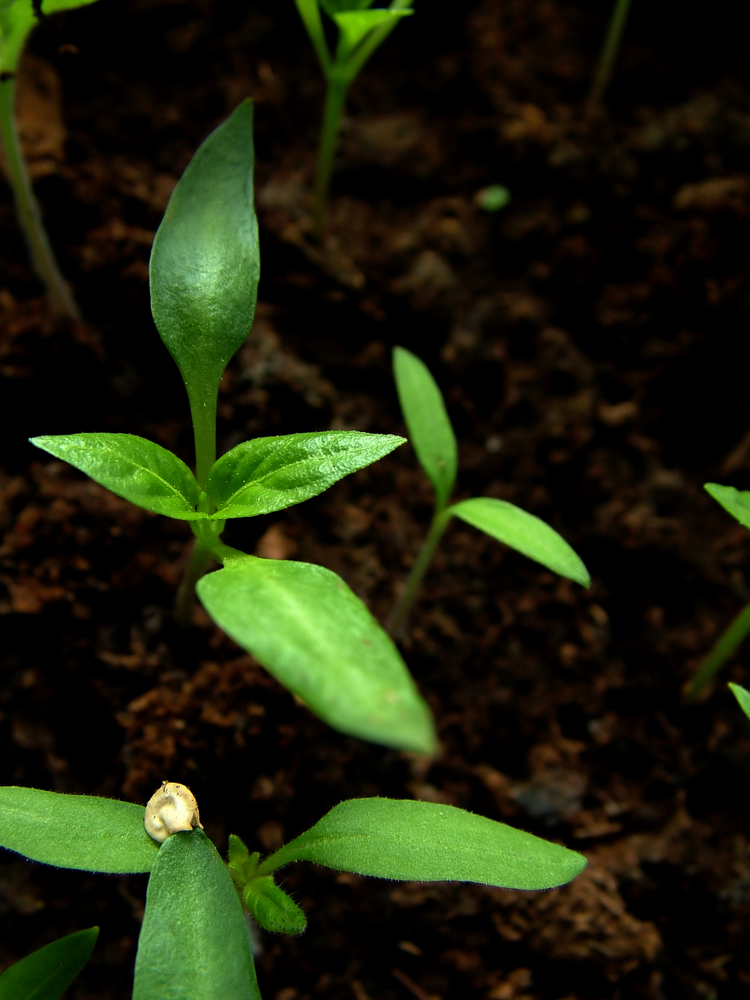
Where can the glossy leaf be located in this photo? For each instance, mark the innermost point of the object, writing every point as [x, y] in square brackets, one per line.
[743, 697]
[319, 640]
[205, 261]
[194, 943]
[272, 908]
[736, 502]
[427, 842]
[17, 20]
[430, 429]
[523, 532]
[132, 467]
[75, 831]
[48, 972]
[272, 473]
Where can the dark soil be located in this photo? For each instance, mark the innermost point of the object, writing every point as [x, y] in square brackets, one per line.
[592, 344]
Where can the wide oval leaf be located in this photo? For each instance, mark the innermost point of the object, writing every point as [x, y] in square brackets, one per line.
[75, 831]
[272, 473]
[132, 467]
[319, 640]
[194, 943]
[428, 842]
[205, 261]
[523, 532]
[430, 430]
[48, 972]
[272, 908]
[736, 502]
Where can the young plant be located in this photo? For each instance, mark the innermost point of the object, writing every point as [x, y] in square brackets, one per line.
[300, 621]
[361, 29]
[17, 19]
[194, 942]
[432, 436]
[737, 503]
[608, 55]
[48, 972]
[743, 697]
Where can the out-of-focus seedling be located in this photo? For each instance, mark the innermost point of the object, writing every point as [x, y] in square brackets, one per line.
[361, 29]
[737, 503]
[743, 697]
[434, 442]
[492, 198]
[17, 19]
[608, 55]
[194, 940]
[47, 973]
[300, 621]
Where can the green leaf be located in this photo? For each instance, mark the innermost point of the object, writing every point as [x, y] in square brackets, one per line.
[355, 25]
[272, 908]
[333, 7]
[319, 640]
[743, 697]
[524, 533]
[17, 20]
[194, 943]
[205, 261]
[132, 467]
[426, 418]
[272, 473]
[48, 972]
[426, 842]
[737, 502]
[75, 831]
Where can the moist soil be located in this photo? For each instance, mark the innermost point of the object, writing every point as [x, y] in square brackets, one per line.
[591, 341]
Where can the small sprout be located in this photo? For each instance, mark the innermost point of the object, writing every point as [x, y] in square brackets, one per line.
[171, 809]
[492, 198]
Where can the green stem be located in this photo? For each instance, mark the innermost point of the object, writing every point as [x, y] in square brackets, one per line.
[203, 413]
[608, 55]
[396, 623]
[338, 84]
[27, 208]
[200, 559]
[722, 649]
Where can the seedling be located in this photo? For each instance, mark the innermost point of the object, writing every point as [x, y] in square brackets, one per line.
[300, 621]
[431, 434]
[743, 697]
[17, 19]
[737, 502]
[608, 55]
[361, 29]
[194, 940]
[48, 972]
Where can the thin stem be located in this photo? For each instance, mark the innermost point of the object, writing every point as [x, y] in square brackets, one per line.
[338, 84]
[200, 559]
[396, 623]
[722, 649]
[203, 413]
[608, 55]
[309, 11]
[27, 208]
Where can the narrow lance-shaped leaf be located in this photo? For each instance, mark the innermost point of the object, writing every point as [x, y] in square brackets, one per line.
[523, 532]
[736, 502]
[75, 831]
[743, 697]
[194, 943]
[48, 972]
[17, 20]
[319, 640]
[427, 842]
[430, 429]
[205, 261]
[132, 467]
[272, 473]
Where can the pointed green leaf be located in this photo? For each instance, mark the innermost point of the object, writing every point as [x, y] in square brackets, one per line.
[48, 972]
[272, 908]
[17, 20]
[75, 831]
[357, 24]
[743, 697]
[736, 502]
[430, 429]
[132, 467]
[194, 943]
[333, 7]
[272, 473]
[205, 261]
[523, 532]
[427, 842]
[319, 640]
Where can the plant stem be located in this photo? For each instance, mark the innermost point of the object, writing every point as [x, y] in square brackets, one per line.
[722, 649]
[608, 55]
[200, 559]
[338, 84]
[203, 413]
[396, 623]
[27, 208]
